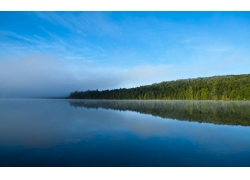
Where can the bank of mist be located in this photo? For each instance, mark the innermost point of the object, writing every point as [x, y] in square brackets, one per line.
[230, 87]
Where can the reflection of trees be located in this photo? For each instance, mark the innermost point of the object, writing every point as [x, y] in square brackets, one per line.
[217, 112]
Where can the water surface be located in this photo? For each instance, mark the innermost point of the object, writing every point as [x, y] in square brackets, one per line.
[124, 133]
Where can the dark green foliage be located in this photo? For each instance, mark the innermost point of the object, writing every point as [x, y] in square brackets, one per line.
[231, 87]
[217, 112]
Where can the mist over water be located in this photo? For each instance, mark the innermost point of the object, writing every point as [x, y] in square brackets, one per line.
[123, 133]
[44, 75]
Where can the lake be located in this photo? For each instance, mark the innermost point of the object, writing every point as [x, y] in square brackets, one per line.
[112, 133]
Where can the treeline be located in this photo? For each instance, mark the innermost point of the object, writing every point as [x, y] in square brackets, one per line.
[220, 112]
[231, 87]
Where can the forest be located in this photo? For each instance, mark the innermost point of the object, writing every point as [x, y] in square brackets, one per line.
[229, 87]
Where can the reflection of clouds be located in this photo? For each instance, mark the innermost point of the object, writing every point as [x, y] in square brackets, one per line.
[211, 137]
[219, 138]
[145, 125]
[46, 123]
[32, 123]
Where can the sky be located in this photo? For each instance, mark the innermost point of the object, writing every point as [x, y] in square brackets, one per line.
[50, 54]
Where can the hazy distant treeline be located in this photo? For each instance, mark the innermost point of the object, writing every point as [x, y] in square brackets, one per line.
[231, 87]
[217, 112]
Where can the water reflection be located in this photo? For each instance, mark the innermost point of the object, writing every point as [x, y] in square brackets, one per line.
[94, 133]
[217, 112]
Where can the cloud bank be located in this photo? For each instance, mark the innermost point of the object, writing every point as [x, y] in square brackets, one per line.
[47, 76]
[42, 75]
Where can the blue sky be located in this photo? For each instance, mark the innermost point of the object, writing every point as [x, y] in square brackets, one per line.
[55, 53]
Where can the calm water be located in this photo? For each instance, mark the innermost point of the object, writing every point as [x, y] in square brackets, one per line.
[124, 133]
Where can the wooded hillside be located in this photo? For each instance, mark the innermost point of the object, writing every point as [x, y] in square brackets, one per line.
[230, 87]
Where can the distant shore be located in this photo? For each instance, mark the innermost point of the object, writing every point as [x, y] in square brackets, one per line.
[230, 87]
